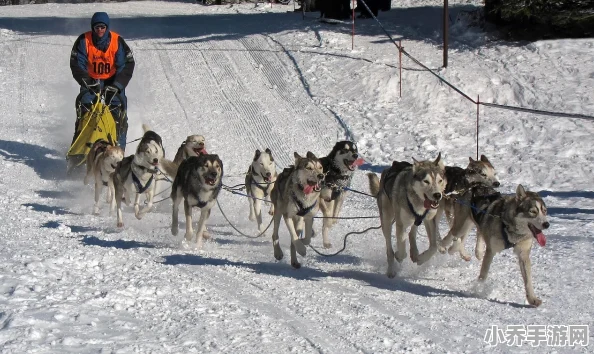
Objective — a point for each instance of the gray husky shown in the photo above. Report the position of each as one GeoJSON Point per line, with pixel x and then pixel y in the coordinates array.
{"type": "Point", "coordinates": [136, 173]}
{"type": "Point", "coordinates": [456, 205]}
{"type": "Point", "coordinates": [198, 182]}
{"type": "Point", "coordinates": [512, 221]}
{"type": "Point", "coordinates": [259, 182]}
{"type": "Point", "coordinates": [339, 167]}
{"type": "Point", "coordinates": [295, 197]}
{"type": "Point", "coordinates": [192, 146]}
{"type": "Point", "coordinates": [409, 196]}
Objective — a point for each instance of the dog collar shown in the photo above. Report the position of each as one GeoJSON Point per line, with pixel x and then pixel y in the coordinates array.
{"type": "Point", "coordinates": [418, 218]}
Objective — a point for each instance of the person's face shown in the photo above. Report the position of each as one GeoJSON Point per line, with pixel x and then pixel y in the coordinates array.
{"type": "Point", "coordinates": [100, 29]}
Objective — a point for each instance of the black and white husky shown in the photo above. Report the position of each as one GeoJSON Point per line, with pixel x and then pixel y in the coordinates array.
{"type": "Point", "coordinates": [198, 182]}
{"type": "Point", "coordinates": [339, 167]}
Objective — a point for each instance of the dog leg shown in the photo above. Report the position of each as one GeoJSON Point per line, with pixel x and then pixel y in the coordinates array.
{"type": "Point", "coordinates": [459, 231]}
{"type": "Point", "coordinates": [252, 211]}
{"type": "Point", "coordinates": [480, 245]}
{"type": "Point", "coordinates": [489, 254]}
{"type": "Point", "coordinates": [326, 223]}
{"type": "Point", "coordinates": [204, 214]}
{"type": "Point", "coordinates": [271, 210]}
{"type": "Point", "coordinates": [149, 198]}
{"type": "Point", "coordinates": [278, 252]}
{"type": "Point", "coordinates": [526, 269]}
{"type": "Point", "coordinates": [176, 198]}
{"type": "Point", "coordinates": [294, 262]}
{"type": "Point", "coordinates": [308, 230]}
{"type": "Point", "coordinates": [119, 193]}
{"type": "Point", "coordinates": [386, 223]}
{"type": "Point", "coordinates": [111, 196]}
{"type": "Point", "coordinates": [433, 233]}
{"type": "Point", "coordinates": [400, 242]}
{"type": "Point", "coordinates": [188, 212]}
{"type": "Point", "coordinates": [98, 190]}
{"type": "Point", "coordinates": [299, 247]}
{"type": "Point", "coordinates": [137, 206]}
{"type": "Point", "coordinates": [412, 240]}
{"type": "Point", "coordinates": [258, 213]}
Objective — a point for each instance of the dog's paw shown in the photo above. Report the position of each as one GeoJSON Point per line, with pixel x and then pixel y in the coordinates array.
{"type": "Point", "coordinates": [96, 211]}
{"type": "Point", "coordinates": [271, 212]}
{"type": "Point", "coordinates": [188, 236]}
{"type": "Point", "coordinates": [400, 256]}
{"type": "Point", "coordinates": [391, 273]}
{"type": "Point", "coordinates": [120, 224]}
{"type": "Point", "coordinates": [327, 245]}
{"type": "Point", "coordinates": [174, 230]}
{"type": "Point", "coordinates": [442, 249]}
{"type": "Point", "coordinates": [278, 254]}
{"type": "Point", "coordinates": [205, 235]}
{"type": "Point", "coordinates": [414, 257]}
{"type": "Point", "coordinates": [295, 264]}
{"type": "Point", "coordinates": [139, 215]}
{"type": "Point", "coordinates": [479, 254]}
{"type": "Point", "coordinates": [535, 301]}
{"type": "Point", "coordinates": [465, 256]}
{"type": "Point", "coordinates": [300, 248]}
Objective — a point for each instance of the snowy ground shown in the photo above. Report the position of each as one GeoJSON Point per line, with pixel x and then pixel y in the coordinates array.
{"type": "Point", "coordinates": [251, 76]}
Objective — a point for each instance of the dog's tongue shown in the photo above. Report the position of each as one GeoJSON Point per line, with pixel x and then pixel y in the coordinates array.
{"type": "Point", "coordinates": [541, 239]}
{"type": "Point", "coordinates": [308, 189]}
{"type": "Point", "coordinates": [358, 162]}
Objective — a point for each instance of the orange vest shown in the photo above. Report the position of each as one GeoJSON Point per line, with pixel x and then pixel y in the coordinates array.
{"type": "Point", "coordinates": [101, 65]}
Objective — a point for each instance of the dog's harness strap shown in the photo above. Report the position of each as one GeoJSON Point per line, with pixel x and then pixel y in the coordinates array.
{"type": "Point", "coordinates": [508, 244]}
{"type": "Point", "coordinates": [139, 187]}
{"type": "Point", "coordinates": [200, 203]}
{"type": "Point", "coordinates": [302, 209]}
{"type": "Point", "coordinates": [418, 218]}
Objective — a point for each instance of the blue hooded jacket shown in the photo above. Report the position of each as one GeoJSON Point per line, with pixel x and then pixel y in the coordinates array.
{"type": "Point", "coordinates": [103, 42]}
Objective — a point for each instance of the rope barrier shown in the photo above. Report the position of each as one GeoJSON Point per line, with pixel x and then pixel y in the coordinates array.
{"type": "Point", "coordinates": [495, 105]}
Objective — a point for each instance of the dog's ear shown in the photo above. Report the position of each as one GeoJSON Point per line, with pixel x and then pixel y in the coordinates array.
{"type": "Point", "coordinates": [257, 155]}
{"type": "Point", "coordinates": [470, 159]}
{"type": "Point", "coordinates": [269, 152]}
{"type": "Point", "coordinates": [484, 159]}
{"type": "Point", "coordinates": [188, 138]}
{"type": "Point", "coordinates": [438, 162]}
{"type": "Point", "coordinates": [520, 192]}
{"type": "Point", "coordinates": [297, 158]}
{"type": "Point", "coordinates": [310, 155]}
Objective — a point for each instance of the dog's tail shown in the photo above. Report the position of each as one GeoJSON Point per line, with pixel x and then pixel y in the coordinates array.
{"type": "Point", "coordinates": [169, 167]}
{"type": "Point", "coordinates": [145, 127]}
{"type": "Point", "coordinates": [374, 184]}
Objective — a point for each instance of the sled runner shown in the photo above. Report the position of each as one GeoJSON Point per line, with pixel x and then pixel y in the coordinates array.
{"type": "Point", "coordinates": [102, 121]}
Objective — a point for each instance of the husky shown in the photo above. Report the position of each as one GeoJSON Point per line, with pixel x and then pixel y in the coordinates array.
{"type": "Point", "coordinates": [512, 221]}
{"type": "Point", "coordinates": [198, 182]}
{"type": "Point", "coordinates": [295, 197]}
{"type": "Point", "coordinates": [339, 167]}
{"type": "Point", "coordinates": [409, 195]}
{"type": "Point", "coordinates": [136, 173]}
{"type": "Point", "coordinates": [101, 164]}
{"type": "Point", "coordinates": [456, 205]}
{"type": "Point", "coordinates": [193, 146]}
{"type": "Point", "coordinates": [259, 182]}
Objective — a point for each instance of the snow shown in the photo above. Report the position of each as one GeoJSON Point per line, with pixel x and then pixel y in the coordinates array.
{"type": "Point", "coordinates": [254, 76]}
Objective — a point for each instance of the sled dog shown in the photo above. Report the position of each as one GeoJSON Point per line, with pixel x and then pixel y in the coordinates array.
{"type": "Point", "coordinates": [511, 221]}
{"type": "Point", "coordinates": [136, 173]}
{"type": "Point", "coordinates": [198, 182]}
{"type": "Point", "coordinates": [339, 167]}
{"type": "Point", "coordinates": [259, 182]}
{"type": "Point", "coordinates": [193, 146]}
{"type": "Point", "coordinates": [295, 197]}
{"type": "Point", "coordinates": [456, 205]}
{"type": "Point", "coordinates": [101, 163]}
{"type": "Point", "coordinates": [409, 195]}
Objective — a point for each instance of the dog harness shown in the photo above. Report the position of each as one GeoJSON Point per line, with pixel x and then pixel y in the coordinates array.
{"type": "Point", "coordinates": [302, 209]}
{"type": "Point", "coordinates": [200, 203]}
{"type": "Point", "coordinates": [506, 240]}
{"type": "Point", "coordinates": [337, 182]}
{"type": "Point", "coordinates": [418, 218]}
{"type": "Point", "coordinates": [139, 187]}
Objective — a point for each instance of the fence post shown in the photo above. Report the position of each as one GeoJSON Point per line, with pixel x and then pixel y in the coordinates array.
{"type": "Point", "coordinates": [353, 35]}
{"type": "Point", "coordinates": [477, 125]}
{"type": "Point", "coordinates": [400, 65]}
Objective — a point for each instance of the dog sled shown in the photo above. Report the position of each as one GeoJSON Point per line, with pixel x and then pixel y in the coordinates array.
{"type": "Point", "coordinates": [102, 121]}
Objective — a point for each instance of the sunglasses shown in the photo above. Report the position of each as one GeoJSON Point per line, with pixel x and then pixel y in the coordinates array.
{"type": "Point", "coordinates": [100, 27]}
